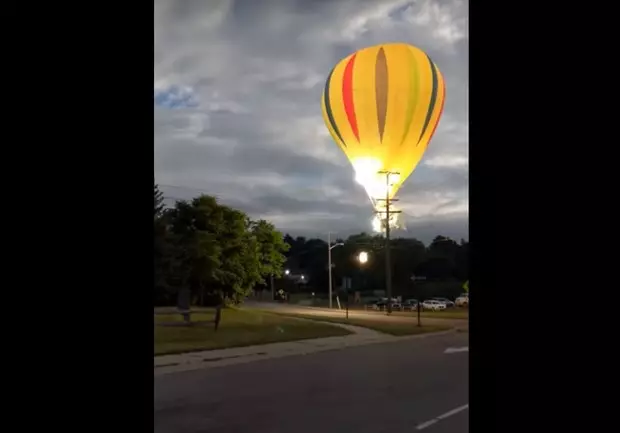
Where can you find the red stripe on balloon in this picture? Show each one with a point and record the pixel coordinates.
(347, 95)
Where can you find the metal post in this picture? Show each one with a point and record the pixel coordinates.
(329, 266)
(419, 324)
(273, 292)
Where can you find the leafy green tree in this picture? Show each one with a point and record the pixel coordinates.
(240, 267)
(194, 228)
(271, 248)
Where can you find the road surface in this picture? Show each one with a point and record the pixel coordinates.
(405, 386)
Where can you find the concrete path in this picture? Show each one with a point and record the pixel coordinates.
(224, 357)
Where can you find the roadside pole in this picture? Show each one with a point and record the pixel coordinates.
(419, 324)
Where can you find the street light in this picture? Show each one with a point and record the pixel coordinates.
(362, 257)
(330, 247)
(287, 271)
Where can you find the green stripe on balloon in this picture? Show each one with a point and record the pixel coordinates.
(328, 109)
(414, 91)
(431, 105)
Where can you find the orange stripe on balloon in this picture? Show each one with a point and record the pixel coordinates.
(347, 95)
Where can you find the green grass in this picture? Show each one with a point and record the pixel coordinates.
(237, 328)
(446, 314)
(453, 313)
(391, 328)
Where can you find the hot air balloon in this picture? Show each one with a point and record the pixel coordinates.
(381, 105)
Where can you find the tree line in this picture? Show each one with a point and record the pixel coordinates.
(420, 271)
(220, 255)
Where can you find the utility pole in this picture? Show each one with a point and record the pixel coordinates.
(329, 266)
(330, 247)
(388, 267)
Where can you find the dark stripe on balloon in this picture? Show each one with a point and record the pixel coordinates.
(443, 99)
(328, 109)
(431, 105)
(381, 90)
(347, 95)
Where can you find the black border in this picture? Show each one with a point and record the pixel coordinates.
(531, 228)
(79, 93)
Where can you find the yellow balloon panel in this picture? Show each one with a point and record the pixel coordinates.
(381, 106)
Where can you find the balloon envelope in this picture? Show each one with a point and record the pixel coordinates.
(381, 105)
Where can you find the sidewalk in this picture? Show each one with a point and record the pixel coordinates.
(240, 355)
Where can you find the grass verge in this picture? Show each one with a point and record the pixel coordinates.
(237, 328)
(391, 328)
(445, 314)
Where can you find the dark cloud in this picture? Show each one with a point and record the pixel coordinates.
(256, 138)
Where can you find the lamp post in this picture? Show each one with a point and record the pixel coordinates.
(362, 258)
(330, 247)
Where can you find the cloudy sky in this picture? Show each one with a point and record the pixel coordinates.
(237, 110)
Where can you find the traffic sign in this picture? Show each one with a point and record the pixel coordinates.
(466, 286)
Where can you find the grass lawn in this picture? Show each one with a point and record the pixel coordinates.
(392, 328)
(453, 313)
(237, 328)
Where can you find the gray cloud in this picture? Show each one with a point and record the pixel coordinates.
(256, 138)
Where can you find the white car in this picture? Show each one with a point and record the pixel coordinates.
(449, 303)
(434, 305)
(463, 300)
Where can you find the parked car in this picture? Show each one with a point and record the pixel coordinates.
(449, 303)
(411, 304)
(433, 304)
(378, 305)
(381, 304)
(463, 300)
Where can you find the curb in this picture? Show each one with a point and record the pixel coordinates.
(202, 360)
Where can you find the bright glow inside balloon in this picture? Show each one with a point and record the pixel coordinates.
(368, 174)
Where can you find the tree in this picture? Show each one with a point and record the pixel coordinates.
(162, 250)
(221, 253)
(158, 201)
(240, 267)
(271, 248)
(194, 231)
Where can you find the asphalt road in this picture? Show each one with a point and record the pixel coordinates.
(390, 387)
(325, 312)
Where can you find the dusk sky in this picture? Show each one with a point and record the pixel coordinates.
(237, 111)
